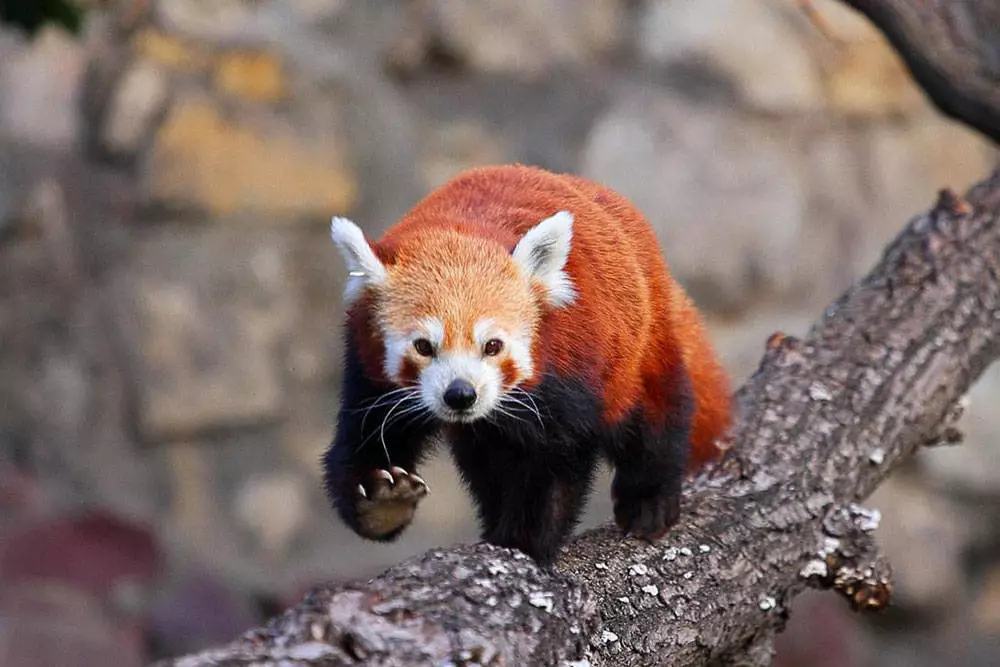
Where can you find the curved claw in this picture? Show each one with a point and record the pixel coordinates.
(361, 491)
(384, 474)
(417, 479)
(399, 472)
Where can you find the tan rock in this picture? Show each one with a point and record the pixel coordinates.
(169, 50)
(910, 162)
(194, 512)
(862, 73)
(844, 24)
(868, 78)
(986, 606)
(209, 21)
(205, 160)
(253, 75)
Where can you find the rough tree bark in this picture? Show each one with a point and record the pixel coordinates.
(822, 422)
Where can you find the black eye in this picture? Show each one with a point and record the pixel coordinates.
(492, 347)
(423, 347)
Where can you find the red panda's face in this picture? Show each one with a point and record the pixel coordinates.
(458, 314)
(458, 318)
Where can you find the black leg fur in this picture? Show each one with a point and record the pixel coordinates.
(357, 458)
(650, 456)
(528, 476)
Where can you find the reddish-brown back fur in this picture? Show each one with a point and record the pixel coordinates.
(631, 325)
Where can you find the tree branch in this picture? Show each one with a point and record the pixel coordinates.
(952, 50)
(822, 422)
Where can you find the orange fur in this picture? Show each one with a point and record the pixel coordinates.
(630, 326)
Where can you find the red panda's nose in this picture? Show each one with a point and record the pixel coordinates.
(460, 395)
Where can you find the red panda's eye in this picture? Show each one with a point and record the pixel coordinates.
(423, 347)
(493, 347)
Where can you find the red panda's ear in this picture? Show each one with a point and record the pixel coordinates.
(363, 267)
(542, 253)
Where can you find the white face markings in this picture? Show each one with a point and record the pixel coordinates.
(398, 347)
(469, 366)
(434, 330)
(446, 365)
(517, 345)
(519, 349)
(484, 331)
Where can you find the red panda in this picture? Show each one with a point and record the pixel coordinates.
(530, 319)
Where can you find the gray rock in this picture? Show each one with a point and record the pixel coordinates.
(741, 343)
(923, 535)
(750, 41)
(725, 196)
(273, 507)
(212, 309)
(972, 466)
(39, 88)
(208, 21)
(526, 37)
(8, 205)
(908, 162)
(137, 101)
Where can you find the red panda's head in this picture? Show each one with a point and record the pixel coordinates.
(458, 313)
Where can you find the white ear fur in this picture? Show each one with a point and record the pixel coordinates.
(363, 267)
(542, 255)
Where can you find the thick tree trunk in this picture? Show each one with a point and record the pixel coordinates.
(822, 421)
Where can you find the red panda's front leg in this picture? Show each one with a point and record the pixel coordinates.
(529, 485)
(369, 469)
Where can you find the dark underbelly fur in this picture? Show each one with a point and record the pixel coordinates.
(529, 475)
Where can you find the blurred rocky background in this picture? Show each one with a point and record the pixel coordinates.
(169, 301)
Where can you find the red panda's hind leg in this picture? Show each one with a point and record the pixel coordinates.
(650, 453)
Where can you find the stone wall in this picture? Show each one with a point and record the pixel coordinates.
(169, 301)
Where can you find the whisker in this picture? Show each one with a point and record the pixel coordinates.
(509, 414)
(405, 399)
(381, 398)
(398, 417)
(529, 408)
(407, 395)
(528, 396)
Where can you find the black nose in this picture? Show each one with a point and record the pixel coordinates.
(460, 395)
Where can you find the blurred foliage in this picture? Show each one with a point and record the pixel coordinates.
(31, 15)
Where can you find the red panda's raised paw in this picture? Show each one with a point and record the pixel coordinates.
(386, 503)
